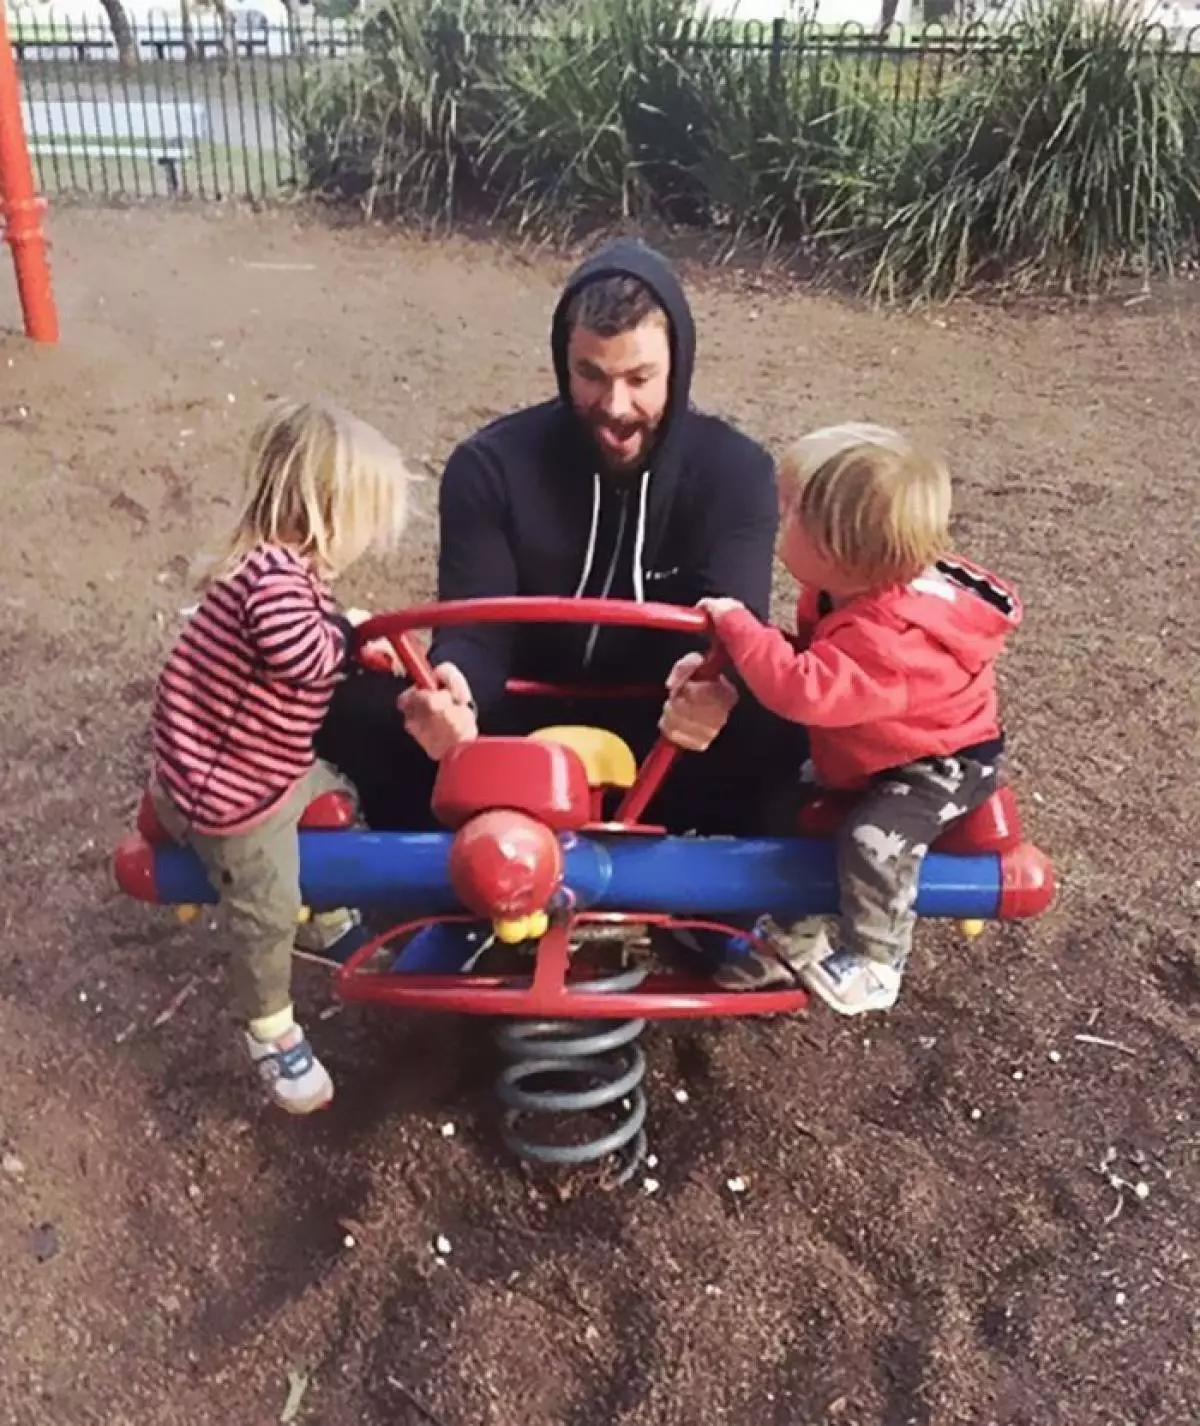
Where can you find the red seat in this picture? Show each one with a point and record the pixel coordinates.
(331, 812)
(546, 780)
(994, 826)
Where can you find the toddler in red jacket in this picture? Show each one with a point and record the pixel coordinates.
(892, 670)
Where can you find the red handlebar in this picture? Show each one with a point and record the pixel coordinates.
(535, 609)
(399, 625)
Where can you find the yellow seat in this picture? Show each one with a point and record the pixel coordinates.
(605, 757)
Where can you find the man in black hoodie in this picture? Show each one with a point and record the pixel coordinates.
(617, 488)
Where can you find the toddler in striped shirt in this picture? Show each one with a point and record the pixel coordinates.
(245, 689)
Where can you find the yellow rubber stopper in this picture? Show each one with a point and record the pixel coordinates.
(522, 928)
(184, 914)
(971, 929)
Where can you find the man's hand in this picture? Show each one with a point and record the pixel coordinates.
(440, 719)
(695, 711)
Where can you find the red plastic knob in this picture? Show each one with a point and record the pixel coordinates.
(504, 864)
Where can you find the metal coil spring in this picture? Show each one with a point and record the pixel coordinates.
(601, 1056)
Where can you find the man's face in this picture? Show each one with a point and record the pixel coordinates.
(619, 388)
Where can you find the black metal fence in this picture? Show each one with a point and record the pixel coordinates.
(210, 109)
(202, 110)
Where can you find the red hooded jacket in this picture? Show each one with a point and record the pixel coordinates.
(888, 678)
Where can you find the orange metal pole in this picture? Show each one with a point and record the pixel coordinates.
(20, 205)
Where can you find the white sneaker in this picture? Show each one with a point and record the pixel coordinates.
(296, 1079)
(852, 984)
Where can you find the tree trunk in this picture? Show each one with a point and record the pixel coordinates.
(295, 35)
(189, 31)
(127, 50)
(229, 52)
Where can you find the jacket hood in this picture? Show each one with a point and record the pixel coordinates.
(969, 611)
(629, 257)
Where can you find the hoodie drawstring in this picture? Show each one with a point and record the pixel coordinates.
(639, 542)
(592, 533)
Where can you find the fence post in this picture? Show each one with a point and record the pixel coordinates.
(775, 64)
(21, 207)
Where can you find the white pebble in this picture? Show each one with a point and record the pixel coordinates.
(231, 398)
(1054, 1057)
(441, 1245)
(650, 1185)
(712, 1290)
(447, 1131)
(10, 1163)
(1121, 1299)
(651, 1161)
(1018, 1074)
(348, 1241)
(976, 1113)
(681, 1096)
(83, 997)
(736, 1184)
(1142, 1189)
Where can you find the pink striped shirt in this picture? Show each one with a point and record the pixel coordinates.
(244, 691)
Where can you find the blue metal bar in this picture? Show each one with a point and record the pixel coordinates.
(407, 873)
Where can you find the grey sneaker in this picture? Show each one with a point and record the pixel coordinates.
(744, 967)
(296, 1080)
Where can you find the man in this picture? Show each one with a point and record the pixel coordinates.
(616, 488)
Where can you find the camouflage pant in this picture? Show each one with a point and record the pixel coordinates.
(883, 841)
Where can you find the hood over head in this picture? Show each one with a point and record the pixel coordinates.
(969, 611)
(630, 257)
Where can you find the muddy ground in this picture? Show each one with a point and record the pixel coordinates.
(927, 1238)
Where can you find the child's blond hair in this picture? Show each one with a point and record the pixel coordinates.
(869, 500)
(322, 482)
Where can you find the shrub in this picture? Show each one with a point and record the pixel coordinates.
(1061, 151)
(1070, 161)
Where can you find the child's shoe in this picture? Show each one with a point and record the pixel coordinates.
(745, 967)
(332, 935)
(297, 1080)
(852, 984)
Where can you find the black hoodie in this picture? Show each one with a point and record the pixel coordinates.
(526, 508)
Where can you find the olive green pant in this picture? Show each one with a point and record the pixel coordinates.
(256, 874)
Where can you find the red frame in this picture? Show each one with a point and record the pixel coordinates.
(550, 994)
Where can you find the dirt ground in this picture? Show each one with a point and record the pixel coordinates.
(928, 1237)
